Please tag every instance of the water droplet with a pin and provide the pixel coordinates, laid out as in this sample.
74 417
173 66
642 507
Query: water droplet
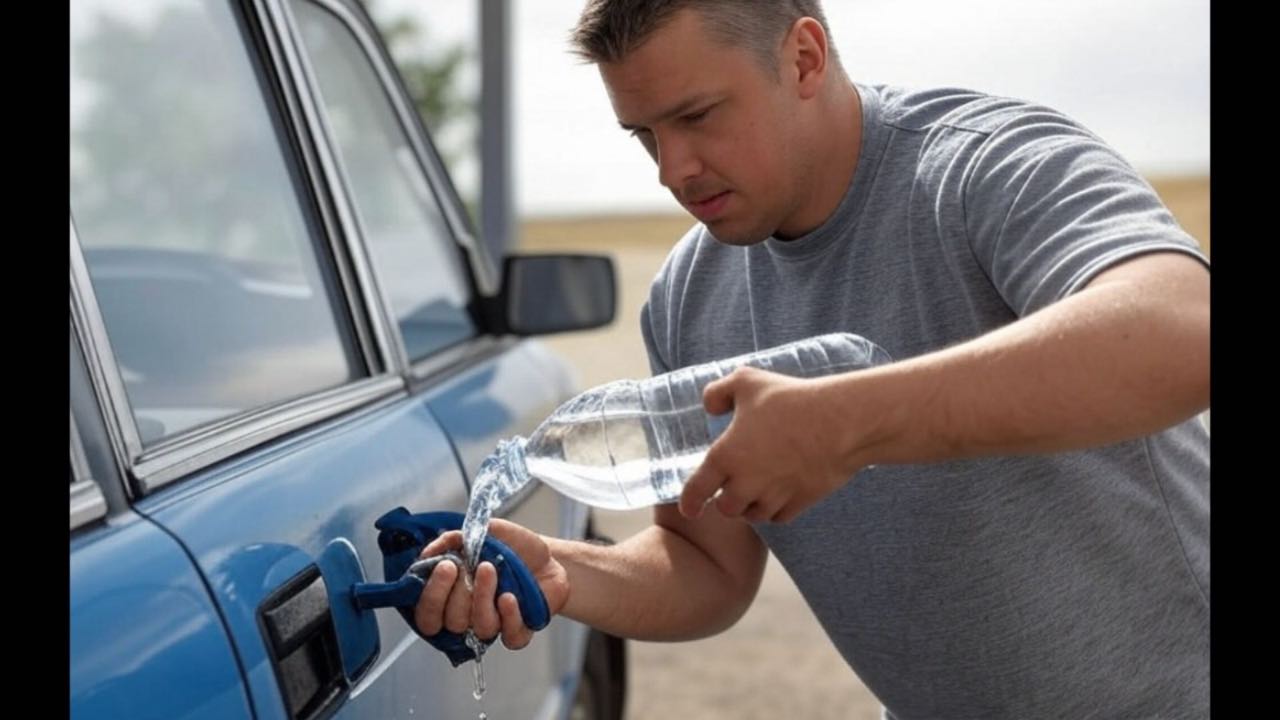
478 671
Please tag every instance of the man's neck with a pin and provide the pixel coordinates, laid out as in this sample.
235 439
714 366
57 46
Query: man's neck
836 152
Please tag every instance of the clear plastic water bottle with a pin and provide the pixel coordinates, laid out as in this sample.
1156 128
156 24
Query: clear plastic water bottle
633 443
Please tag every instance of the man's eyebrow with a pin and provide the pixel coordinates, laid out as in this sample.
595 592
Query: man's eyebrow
680 108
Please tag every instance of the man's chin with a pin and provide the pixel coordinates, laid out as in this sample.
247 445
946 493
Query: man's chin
728 233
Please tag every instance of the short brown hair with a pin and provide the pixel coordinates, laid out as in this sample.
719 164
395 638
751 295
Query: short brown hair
608 30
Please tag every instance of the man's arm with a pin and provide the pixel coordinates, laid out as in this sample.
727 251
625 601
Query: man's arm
680 579
1125 356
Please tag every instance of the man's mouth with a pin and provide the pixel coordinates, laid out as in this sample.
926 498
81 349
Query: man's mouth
709 207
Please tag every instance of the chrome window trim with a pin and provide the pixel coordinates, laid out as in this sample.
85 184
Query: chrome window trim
87 501
297 66
427 158
201 447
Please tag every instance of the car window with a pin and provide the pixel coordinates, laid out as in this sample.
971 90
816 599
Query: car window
415 257
205 253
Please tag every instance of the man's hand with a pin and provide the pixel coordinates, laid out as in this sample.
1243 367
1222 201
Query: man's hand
447 603
783 452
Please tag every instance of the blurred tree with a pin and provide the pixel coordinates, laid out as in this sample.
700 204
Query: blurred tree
180 147
434 83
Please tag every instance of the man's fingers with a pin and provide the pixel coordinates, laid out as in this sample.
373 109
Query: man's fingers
457 611
484 615
701 486
731 501
451 540
515 634
717 397
429 613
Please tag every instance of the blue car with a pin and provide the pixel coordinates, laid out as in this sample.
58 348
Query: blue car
281 327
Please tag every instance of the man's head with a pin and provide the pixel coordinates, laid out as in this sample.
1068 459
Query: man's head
609 30
740 102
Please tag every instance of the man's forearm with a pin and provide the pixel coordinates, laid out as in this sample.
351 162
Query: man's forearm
656 585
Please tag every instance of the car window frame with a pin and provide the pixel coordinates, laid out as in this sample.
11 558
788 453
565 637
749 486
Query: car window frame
175 456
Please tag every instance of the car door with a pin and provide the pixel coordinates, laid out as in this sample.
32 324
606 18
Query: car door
282 338
256 392
145 637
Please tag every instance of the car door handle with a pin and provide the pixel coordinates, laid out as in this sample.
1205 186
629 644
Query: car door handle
297 625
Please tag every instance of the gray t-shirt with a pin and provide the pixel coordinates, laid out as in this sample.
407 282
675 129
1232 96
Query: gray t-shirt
1067 585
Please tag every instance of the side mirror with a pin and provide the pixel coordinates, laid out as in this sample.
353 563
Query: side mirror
544 294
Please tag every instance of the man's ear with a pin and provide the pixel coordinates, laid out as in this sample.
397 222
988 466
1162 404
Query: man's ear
804 56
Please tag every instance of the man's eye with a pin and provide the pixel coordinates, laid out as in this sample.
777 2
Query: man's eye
696 116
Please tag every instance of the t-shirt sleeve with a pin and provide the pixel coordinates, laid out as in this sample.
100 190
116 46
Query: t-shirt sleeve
1048 206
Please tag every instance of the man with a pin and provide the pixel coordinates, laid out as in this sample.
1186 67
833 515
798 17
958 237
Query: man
1011 520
